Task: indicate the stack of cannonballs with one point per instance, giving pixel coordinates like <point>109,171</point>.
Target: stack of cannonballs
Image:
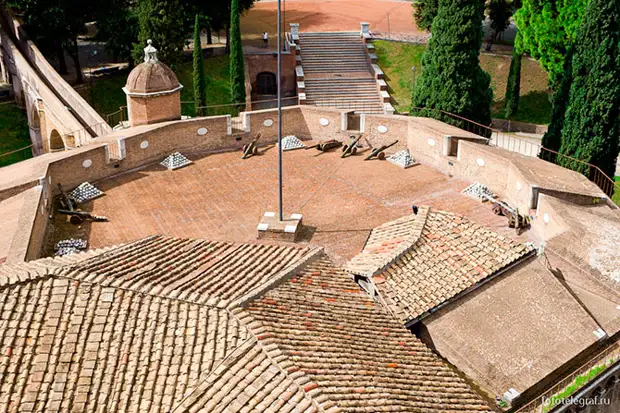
<point>479,192</point>
<point>291,142</point>
<point>403,159</point>
<point>70,246</point>
<point>175,161</point>
<point>84,193</point>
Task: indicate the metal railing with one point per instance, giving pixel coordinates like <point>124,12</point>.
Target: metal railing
<point>14,156</point>
<point>527,148</point>
<point>541,403</point>
<point>117,118</point>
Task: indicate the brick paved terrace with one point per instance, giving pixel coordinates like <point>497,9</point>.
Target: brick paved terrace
<point>222,197</point>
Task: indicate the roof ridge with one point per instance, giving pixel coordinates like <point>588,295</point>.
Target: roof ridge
<point>264,339</point>
<point>276,279</point>
<point>385,260</point>
<point>11,274</point>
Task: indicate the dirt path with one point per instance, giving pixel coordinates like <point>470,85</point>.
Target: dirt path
<point>332,15</point>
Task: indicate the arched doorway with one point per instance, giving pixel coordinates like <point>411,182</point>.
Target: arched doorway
<point>266,83</point>
<point>56,142</point>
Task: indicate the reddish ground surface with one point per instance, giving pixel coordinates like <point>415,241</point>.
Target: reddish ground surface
<point>222,197</point>
<point>331,15</point>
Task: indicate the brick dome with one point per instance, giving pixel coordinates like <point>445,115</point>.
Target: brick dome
<point>152,76</point>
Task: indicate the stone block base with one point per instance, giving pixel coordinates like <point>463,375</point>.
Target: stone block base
<point>270,227</point>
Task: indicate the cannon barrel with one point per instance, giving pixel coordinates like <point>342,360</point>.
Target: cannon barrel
<point>377,151</point>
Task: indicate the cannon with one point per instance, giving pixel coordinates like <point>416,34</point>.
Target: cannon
<point>351,147</point>
<point>325,146</point>
<point>251,149</point>
<point>76,217</point>
<point>379,153</point>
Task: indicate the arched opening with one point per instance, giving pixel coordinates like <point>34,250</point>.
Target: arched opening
<point>35,120</point>
<point>56,142</point>
<point>35,130</point>
<point>266,83</point>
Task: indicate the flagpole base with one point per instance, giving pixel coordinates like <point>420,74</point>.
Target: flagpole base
<point>270,227</point>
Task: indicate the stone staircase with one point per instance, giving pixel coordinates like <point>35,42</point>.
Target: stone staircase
<point>337,71</point>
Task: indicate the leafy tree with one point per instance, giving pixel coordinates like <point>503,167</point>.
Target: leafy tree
<point>424,11</point>
<point>500,12</point>
<point>547,28</point>
<point>117,25</point>
<point>237,70</point>
<point>513,87</point>
<point>591,128</point>
<point>200,81</point>
<point>452,79</point>
<point>161,21</point>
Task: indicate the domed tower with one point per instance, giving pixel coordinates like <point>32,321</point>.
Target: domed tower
<point>153,91</point>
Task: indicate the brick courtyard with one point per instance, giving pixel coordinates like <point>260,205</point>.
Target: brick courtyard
<point>222,197</point>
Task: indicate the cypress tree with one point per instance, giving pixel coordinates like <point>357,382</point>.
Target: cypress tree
<point>452,79</point>
<point>161,21</point>
<point>591,128</point>
<point>552,139</point>
<point>237,71</point>
<point>200,82</point>
<point>513,87</point>
<point>424,11</point>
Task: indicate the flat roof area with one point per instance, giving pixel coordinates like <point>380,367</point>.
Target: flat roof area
<point>222,197</point>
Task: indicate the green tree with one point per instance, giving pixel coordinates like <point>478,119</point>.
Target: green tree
<point>591,128</point>
<point>161,21</point>
<point>452,79</point>
<point>237,70</point>
<point>117,25</point>
<point>500,12</point>
<point>546,30</point>
<point>552,139</point>
<point>200,81</point>
<point>424,11</point>
<point>513,87</point>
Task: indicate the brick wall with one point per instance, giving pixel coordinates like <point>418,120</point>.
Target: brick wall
<point>145,111</point>
<point>267,62</point>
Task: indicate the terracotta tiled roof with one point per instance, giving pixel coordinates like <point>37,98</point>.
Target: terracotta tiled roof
<point>450,256</point>
<point>196,270</point>
<point>347,352</point>
<point>76,346</point>
<point>387,243</point>
<point>134,329</point>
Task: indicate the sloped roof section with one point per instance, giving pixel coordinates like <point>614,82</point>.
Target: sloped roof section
<point>387,243</point>
<point>76,346</point>
<point>247,381</point>
<point>200,271</point>
<point>451,255</point>
<point>346,352</point>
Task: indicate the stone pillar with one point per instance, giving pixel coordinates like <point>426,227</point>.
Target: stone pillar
<point>365,30</point>
<point>294,31</point>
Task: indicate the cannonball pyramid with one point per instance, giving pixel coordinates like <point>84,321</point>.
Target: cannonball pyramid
<point>291,142</point>
<point>403,159</point>
<point>478,191</point>
<point>175,161</point>
<point>85,192</point>
<point>70,246</point>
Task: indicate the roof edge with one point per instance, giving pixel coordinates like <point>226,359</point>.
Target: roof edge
<point>280,277</point>
<point>522,259</point>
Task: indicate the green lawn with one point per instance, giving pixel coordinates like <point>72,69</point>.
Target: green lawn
<point>396,60</point>
<point>14,134</point>
<point>108,97</point>
<point>616,195</point>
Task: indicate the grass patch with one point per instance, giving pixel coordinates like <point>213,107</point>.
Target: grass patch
<point>14,134</point>
<point>107,95</point>
<point>616,195</point>
<point>577,384</point>
<point>396,60</point>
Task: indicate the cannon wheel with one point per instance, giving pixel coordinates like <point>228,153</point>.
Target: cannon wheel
<point>243,148</point>
<point>76,219</point>
<point>255,150</point>
<point>354,150</point>
<point>381,156</point>
<point>344,148</point>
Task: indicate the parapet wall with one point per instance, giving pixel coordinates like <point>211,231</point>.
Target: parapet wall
<point>449,149</point>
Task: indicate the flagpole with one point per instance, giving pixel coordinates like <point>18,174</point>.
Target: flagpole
<point>281,216</point>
